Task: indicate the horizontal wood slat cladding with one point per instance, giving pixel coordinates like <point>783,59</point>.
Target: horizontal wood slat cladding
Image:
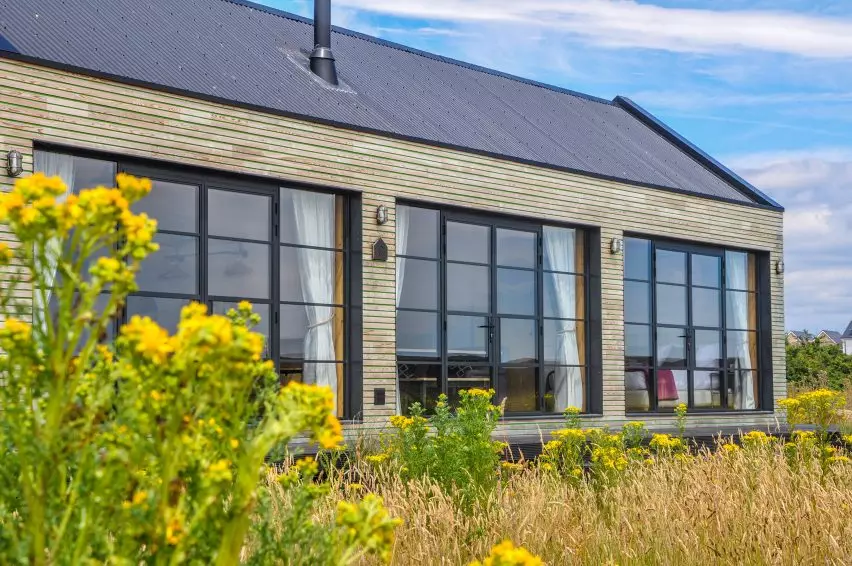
<point>39,104</point>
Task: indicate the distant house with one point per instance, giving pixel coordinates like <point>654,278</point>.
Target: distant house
<point>798,337</point>
<point>562,249</point>
<point>830,337</point>
<point>847,339</point>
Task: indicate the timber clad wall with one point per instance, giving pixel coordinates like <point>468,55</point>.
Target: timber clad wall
<point>39,104</point>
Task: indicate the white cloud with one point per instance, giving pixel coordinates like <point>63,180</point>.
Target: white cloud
<point>630,24</point>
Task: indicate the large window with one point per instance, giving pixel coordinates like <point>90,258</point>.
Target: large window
<point>288,251</point>
<point>691,327</point>
<point>483,302</point>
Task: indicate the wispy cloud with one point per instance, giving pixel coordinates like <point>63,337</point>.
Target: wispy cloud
<point>630,24</point>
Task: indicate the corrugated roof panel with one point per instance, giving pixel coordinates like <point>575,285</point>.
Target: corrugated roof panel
<point>252,55</point>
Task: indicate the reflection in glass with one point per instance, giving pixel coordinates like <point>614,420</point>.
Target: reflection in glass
<point>637,259</point>
<point>636,387</point>
<point>706,310</point>
<point>707,387</point>
<point>173,205</point>
<point>519,386</point>
<point>564,342</point>
<point>563,295</point>
<point>516,292</point>
<point>564,386</point>
<point>420,284</point>
<point>637,302</point>
<point>672,387</point>
<point>238,215</point>
<point>708,348</point>
<point>463,376</point>
<point>637,345</point>
<point>517,341</point>
<point>468,242</point>
<point>238,269</point>
<point>291,276</point>
<point>706,270</point>
<point>467,288</point>
<point>260,309</point>
<point>467,337</point>
<point>172,269</point>
<point>294,331</point>
<point>671,347</point>
<point>671,304</point>
<point>165,312</point>
<point>420,228</point>
<point>671,266</point>
<point>516,249</point>
<point>417,334</point>
<point>418,383</point>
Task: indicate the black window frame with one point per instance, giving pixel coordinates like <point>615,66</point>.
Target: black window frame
<point>206,179</point>
<point>591,321</point>
<point>763,330</point>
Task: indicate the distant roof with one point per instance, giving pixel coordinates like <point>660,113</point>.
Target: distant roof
<point>245,54</point>
<point>833,334</point>
<point>848,332</point>
<point>800,334</point>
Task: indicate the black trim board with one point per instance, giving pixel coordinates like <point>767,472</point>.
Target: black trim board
<point>763,204</point>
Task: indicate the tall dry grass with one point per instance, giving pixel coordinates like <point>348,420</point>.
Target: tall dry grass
<point>741,508</point>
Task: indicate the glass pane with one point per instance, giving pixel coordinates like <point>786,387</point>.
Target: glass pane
<point>300,339</point>
<point>564,295</point>
<point>519,386</point>
<point>672,388</point>
<point>671,347</point>
<point>707,389</point>
<point>671,266</point>
<point>564,387</point>
<point>467,288</point>
<point>89,173</point>
<point>173,268</point>
<point>516,292</point>
<point>173,205</point>
<point>419,280</point>
<point>742,350</point>
<point>637,302</point>
<point>637,259</point>
<point>740,271</point>
<point>517,341</point>
<point>636,390</point>
<point>671,304</point>
<point>562,249</point>
<point>238,269</point>
<point>637,345</point>
<point>165,312</point>
<point>310,218</point>
<point>416,231</point>
<point>418,383</point>
<point>708,349</point>
<point>741,310</point>
<point>706,310</point>
<point>565,342</point>
<point>262,328</point>
<point>462,376</point>
<point>743,390</point>
<point>238,215</point>
<point>706,270</point>
<point>467,337</point>
<point>468,242</point>
<point>417,334</point>
<point>292,260</point>
<point>516,249</point>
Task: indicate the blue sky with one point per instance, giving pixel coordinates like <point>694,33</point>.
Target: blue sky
<point>765,86</point>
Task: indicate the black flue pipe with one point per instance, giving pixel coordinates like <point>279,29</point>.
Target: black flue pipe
<point>322,59</point>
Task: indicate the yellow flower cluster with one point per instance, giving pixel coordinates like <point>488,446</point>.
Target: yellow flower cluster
<point>848,439</point>
<point>666,443</point>
<point>367,524</point>
<point>325,428</point>
<point>757,439</point>
<point>402,422</point>
<point>609,458</point>
<point>6,254</point>
<point>570,435</point>
<point>820,407</point>
<point>151,341</point>
<point>507,554</point>
<point>730,448</point>
<point>512,467</point>
<point>16,331</point>
<point>475,393</point>
<point>378,458</point>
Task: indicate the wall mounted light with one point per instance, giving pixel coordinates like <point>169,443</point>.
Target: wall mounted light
<point>14,163</point>
<point>616,246</point>
<point>382,215</point>
<point>779,268</point>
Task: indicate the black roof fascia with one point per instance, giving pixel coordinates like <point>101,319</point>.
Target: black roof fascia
<point>14,55</point>
<point>695,152</point>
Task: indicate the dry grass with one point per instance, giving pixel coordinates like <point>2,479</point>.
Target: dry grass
<point>744,508</point>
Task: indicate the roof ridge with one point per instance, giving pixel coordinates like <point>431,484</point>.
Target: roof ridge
<point>419,52</point>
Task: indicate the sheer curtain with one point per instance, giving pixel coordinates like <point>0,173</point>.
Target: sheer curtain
<point>402,217</point>
<point>559,252</point>
<point>52,165</point>
<point>737,269</point>
<point>314,219</point>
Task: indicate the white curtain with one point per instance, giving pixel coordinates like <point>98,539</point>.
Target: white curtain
<point>559,252</point>
<point>314,219</point>
<point>402,217</point>
<point>737,270</point>
<point>52,165</point>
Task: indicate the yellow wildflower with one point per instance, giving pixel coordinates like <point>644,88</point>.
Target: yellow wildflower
<point>140,497</point>
<point>507,554</point>
<point>235,443</point>
<point>377,458</point>
<point>6,254</point>
<point>174,532</point>
<point>151,341</point>
<point>332,435</point>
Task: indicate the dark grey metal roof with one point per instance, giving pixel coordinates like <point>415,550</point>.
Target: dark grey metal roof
<point>255,56</point>
<point>848,332</point>
<point>834,335</point>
